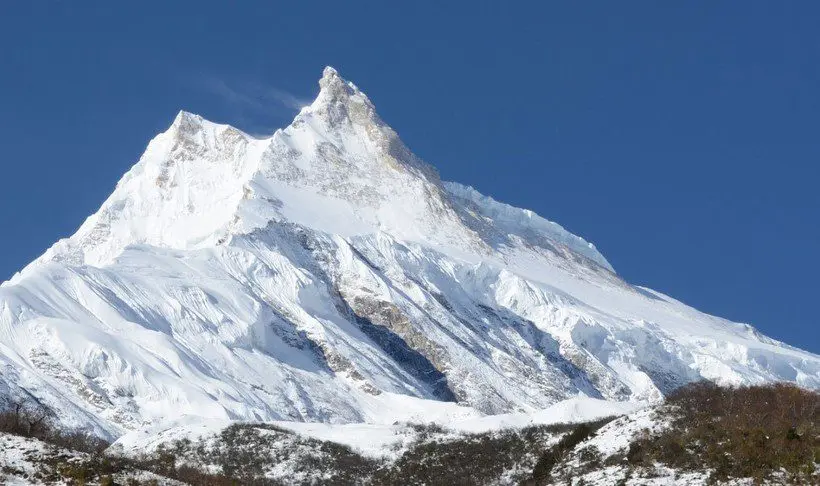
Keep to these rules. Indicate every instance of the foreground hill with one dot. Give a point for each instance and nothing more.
(703, 434)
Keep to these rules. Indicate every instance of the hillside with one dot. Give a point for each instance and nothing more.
(703, 434)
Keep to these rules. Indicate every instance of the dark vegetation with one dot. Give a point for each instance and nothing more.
(30, 419)
(243, 453)
(744, 432)
(767, 433)
(237, 455)
(434, 458)
(472, 459)
(542, 473)
(77, 458)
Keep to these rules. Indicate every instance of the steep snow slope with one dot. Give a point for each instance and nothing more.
(327, 274)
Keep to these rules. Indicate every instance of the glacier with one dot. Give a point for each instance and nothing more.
(327, 274)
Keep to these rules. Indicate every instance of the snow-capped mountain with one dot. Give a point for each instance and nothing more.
(328, 274)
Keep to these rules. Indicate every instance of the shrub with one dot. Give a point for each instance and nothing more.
(542, 472)
(745, 432)
(33, 420)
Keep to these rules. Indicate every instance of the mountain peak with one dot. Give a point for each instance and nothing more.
(185, 117)
(328, 74)
(339, 99)
(327, 274)
(333, 81)
(201, 182)
(186, 124)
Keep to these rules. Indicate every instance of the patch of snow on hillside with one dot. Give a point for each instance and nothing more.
(573, 410)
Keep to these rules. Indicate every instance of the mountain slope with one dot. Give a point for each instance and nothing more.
(328, 274)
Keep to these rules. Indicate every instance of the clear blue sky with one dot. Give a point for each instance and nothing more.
(682, 138)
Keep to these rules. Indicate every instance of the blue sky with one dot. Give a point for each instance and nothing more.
(680, 137)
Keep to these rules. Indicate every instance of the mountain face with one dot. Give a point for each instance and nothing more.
(328, 274)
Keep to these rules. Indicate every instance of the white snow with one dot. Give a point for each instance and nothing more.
(18, 454)
(573, 410)
(616, 436)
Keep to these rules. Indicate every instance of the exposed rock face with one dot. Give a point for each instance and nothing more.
(328, 274)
